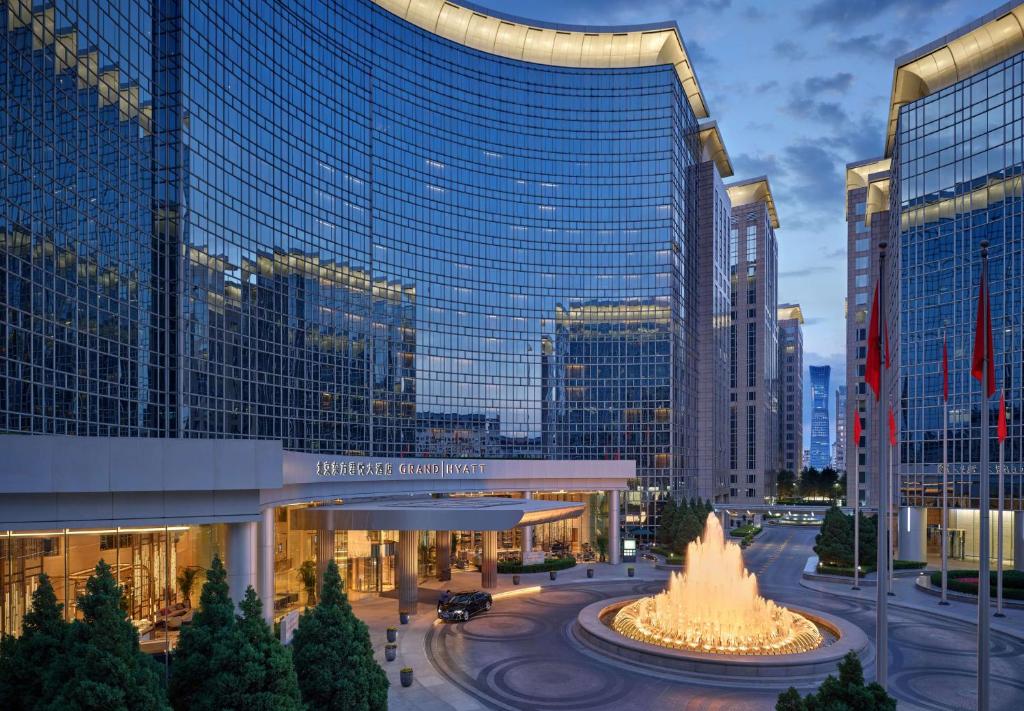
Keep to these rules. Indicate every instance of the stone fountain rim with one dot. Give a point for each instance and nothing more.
(592, 631)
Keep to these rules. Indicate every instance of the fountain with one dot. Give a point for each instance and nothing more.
(714, 607)
(711, 624)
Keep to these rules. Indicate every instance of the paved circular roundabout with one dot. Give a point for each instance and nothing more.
(522, 655)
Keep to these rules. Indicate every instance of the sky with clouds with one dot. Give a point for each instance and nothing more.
(799, 88)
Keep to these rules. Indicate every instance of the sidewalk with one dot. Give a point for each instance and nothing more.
(430, 691)
(910, 598)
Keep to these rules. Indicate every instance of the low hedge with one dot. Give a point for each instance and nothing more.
(744, 531)
(670, 557)
(1013, 582)
(553, 564)
(848, 570)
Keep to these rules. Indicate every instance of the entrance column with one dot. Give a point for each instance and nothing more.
(265, 564)
(407, 573)
(241, 563)
(614, 535)
(489, 559)
(324, 555)
(443, 541)
(913, 533)
(1018, 540)
(527, 531)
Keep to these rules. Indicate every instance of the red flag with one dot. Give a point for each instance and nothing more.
(892, 428)
(873, 368)
(982, 358)
(856, 429)
(945, 369)
(1001, 428)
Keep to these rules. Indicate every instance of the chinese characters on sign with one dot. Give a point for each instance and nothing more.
(354, 468)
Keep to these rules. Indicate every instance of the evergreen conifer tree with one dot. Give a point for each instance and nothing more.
(847, 692)
(334, 657)
(667, 521)
(226, 662)
(102, 666)
(27, 662)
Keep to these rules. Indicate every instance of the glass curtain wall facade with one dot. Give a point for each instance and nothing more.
(821, 455)
(315, 222)
(957, 167)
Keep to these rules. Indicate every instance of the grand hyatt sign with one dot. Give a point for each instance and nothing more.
(333, 468)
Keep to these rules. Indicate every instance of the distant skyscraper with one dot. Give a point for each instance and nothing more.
(791, 387)
(753, 342)
(713, 306)
(863, 234)
(820, 444)
(839, 460)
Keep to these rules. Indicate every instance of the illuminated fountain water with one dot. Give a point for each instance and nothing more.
(714, 607)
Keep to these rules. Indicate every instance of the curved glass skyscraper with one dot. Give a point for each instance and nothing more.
(321, 223)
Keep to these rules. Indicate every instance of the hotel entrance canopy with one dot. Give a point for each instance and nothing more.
(459, 513)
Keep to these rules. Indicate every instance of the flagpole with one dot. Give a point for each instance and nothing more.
(856, 501)
(893, 507)
(945, 467)
(882, 544)
(998, 528)
(984, 584)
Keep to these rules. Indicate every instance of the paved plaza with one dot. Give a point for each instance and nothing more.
(522, 655)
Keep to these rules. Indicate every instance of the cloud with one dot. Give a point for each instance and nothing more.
(873, 45)
(807, 271)
(839, 82)
(699, 54)
(816, 175)
(842, 13)
(862, 138)
(747, 165)
(766, 86)
(788, 49)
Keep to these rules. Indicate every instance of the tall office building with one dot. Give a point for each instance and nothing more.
(864, 232)
(821, 446)
(753, 342)
(262, 255)
(791, 387)
(954, 151)
(839, 446)
(713, 306)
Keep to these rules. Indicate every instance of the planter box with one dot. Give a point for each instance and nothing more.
(406, 676)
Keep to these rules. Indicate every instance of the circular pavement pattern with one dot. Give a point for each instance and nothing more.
(521, 655)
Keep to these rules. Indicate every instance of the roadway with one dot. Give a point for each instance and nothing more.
(521, 655)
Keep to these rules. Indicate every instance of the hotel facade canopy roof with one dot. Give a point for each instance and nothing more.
(556, 45)
(458, 513)
(960, 54)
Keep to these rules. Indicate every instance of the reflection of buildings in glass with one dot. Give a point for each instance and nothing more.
(287, 333)
(821, 455)
(79, 280)
(608, 392)
(449, 434)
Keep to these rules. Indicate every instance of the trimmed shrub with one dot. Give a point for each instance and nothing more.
(1013, 582)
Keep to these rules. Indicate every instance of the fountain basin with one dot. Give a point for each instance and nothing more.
(592, 629)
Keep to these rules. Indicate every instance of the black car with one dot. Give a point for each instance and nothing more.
(463, 605)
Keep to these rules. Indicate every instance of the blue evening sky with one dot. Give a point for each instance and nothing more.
(799, 89)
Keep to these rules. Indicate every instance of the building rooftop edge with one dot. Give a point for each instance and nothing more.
(971, 48)
(714, 147)
(787, 312)
(553, 44)
(753, 190)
